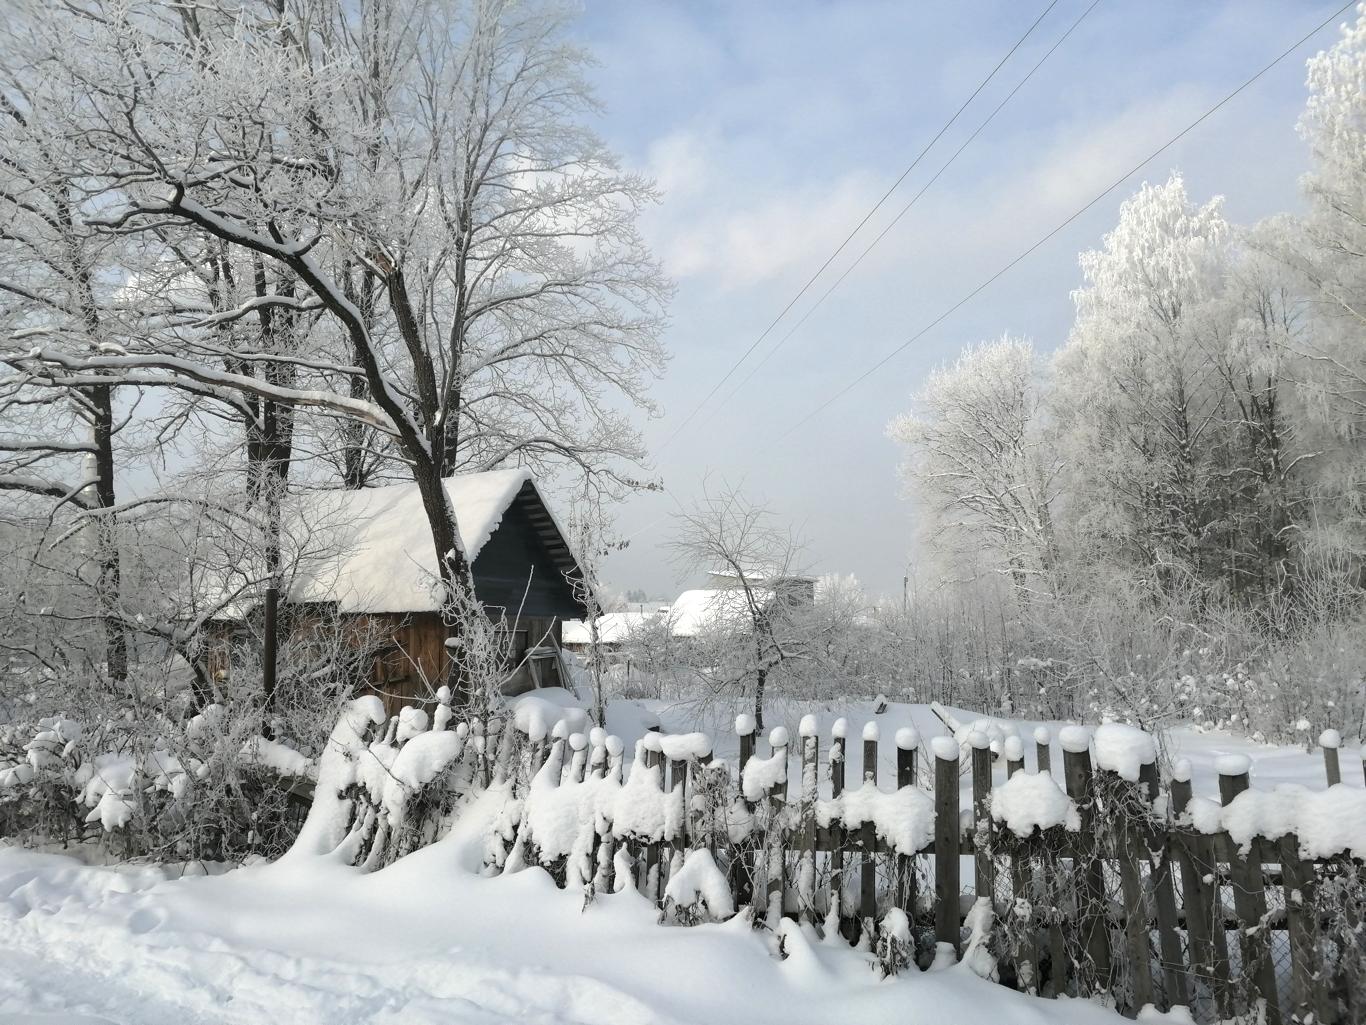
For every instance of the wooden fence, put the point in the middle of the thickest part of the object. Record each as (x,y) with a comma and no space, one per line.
(1123,898)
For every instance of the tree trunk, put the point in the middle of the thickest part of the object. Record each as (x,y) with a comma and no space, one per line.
(107,545)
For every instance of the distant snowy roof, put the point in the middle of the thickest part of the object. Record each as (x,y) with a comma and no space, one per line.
(694,612)
(613,627)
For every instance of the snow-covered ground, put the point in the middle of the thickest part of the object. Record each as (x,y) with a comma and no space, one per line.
(427,940)
(430,940)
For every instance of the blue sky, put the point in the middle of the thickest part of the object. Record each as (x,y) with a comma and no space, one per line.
(772,128)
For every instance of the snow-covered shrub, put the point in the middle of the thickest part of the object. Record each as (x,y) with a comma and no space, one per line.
(698,891)
(206,788)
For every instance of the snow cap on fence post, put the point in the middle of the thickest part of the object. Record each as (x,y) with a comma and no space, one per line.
(907,738)
(1074,739)
(597,736)
(1014,749)
(577,741)
(560,731)
(807,727)
(1232,765)
(840,729)
(652,747)
(1181,770)
(1123,750)
(744,725)
(978,741)
(1042,735)
(871,731)
(777,737)
(945,748)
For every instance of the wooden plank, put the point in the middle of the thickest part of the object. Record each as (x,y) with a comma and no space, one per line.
(1175,981)
(1095,929)
(1249,901)
(838,740)
(1306,996)
(1049,882)
(947,921)
(1204,908)
(868,877)
(1022,896)
(675,842)
(1135,909)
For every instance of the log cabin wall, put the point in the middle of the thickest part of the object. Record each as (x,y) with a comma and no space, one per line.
(410,666)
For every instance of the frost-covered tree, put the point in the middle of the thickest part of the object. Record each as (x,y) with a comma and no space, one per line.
(1136,396)
(981,461)
(58,436)
(745,636)
(405,201)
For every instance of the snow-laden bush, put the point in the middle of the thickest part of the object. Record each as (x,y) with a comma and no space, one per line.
(207,788)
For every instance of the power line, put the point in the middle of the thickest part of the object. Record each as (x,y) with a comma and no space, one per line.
(906,209)
(1117,183)
(856,229)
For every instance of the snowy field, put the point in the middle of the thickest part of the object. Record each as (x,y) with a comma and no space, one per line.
(429,940)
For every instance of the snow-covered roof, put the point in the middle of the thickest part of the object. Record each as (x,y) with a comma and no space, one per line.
(387,562)
(694,612)
(371,550)
(613,627)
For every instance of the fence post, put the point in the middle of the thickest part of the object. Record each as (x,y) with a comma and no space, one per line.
(806,869)
(946,842)
(1160,878)
(1043,750)
(605,881)
(742,858)
(868,838)
(649,870)
(1095,927)
(984,865)
(1200,893)
(838,738)
(907,741)
(597,759)
(1330,741)
(773,841)
(578,765)
(1249,894)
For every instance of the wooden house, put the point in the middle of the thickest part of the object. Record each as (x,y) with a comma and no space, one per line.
(362,565)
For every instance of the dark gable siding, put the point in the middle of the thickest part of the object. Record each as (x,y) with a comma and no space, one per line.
(518,549)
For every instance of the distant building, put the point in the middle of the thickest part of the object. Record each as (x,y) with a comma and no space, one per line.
(366,558)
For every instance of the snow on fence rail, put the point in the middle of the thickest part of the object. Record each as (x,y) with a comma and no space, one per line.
(1109,885)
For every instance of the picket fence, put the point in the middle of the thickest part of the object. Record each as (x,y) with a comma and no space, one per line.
(1126,902)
